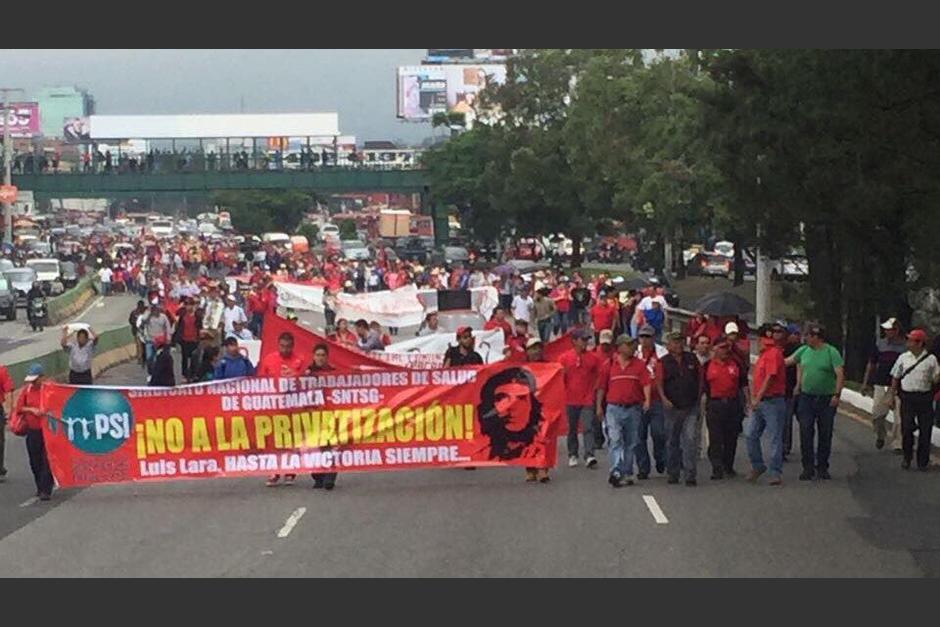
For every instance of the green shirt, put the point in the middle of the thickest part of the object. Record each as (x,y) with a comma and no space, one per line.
(819,369)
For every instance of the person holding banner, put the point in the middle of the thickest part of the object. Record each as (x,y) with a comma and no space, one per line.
(625,385)
(283,363)
(582,369)
(463,354)
(233,364)
(30,408)
(498,321)
(321,356)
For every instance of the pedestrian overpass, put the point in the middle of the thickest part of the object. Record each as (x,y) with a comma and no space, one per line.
(323,180)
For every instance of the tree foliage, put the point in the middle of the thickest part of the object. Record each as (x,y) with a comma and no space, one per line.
(834,151)
(259,211)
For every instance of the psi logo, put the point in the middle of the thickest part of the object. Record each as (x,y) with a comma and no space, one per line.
(97,421)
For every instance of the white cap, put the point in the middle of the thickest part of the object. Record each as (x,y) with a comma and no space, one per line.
(533,341)
(890,323)
(732,327)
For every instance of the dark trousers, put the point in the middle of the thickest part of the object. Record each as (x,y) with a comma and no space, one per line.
(324,478)
(38,462)
(330,317)
(79,378)
(652,423)
(723,417)
(186,357)
(3,439)
(815,412)
(584,415)
(788,425)
(916,409)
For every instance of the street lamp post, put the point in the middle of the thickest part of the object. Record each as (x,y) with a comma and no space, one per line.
(7,164)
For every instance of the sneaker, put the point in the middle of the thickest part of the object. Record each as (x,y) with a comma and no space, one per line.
(627,481)
(590,462)
(754,475)
(642,476)
(289,479)
(824,475)
(880,443)
(806,475)
(572,461)
(775,481)
(329,486)
(272,480)
(672,480)
(317,484)
(614,480)
(45,496)
(691,483)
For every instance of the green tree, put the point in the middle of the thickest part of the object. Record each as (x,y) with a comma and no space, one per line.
(258,211)
(347,229)
(308,230)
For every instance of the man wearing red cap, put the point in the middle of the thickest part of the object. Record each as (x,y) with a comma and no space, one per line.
(463,354)
(768,400)
(914,376)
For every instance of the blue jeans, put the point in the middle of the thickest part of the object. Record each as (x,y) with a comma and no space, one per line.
(545,329)
(622,424)
(652,423)
(149,352)
(769,414)
(561,322)
(814,411)
(683,433)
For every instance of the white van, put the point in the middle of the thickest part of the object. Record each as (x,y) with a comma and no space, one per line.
(329,231)
(281,239)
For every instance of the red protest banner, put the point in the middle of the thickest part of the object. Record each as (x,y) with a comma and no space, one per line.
(498,415)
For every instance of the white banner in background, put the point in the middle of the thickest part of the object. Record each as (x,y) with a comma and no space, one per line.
(403,307)
(489,344)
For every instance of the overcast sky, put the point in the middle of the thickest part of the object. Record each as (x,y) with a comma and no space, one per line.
(357,84)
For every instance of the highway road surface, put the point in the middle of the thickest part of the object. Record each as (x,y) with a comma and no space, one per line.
(872,519)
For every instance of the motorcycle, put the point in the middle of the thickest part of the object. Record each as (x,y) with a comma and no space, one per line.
(37,313)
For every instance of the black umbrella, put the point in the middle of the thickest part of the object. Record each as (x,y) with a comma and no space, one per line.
(723,304)
(634,283)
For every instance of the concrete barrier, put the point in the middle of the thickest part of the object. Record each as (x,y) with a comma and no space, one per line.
(73,301)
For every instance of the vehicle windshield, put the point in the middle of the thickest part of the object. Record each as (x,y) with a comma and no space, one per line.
(19,275)
(162,225)
(44,266)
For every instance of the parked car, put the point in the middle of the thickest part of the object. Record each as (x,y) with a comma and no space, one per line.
(21,281)
(713,264)
(452,254)
(413,249)
(355,250)
(328,231)
(7,300)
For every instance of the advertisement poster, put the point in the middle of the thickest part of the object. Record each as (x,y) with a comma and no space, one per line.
(424,90)
(23,119)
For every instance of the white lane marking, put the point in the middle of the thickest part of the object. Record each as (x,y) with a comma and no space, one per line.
(96,303)
(655,510)
(291,522)
(28,502)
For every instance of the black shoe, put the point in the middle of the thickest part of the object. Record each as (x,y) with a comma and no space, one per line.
(317,485)
(731,473)
(329,486)
(614,480)
(672,480)
(824,475)
(906,464)
(45,497)
(923,468)
(642,476)
(691,483)
(627,482)
(660,468)
(898,451)
(806,475)
(717,475)
(880,443)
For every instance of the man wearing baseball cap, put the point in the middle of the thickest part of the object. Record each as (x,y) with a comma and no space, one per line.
(652,423)
(534,350)
(463,354)
(914,377)
(877,381)
(30,406)
(624,384)
(581,370)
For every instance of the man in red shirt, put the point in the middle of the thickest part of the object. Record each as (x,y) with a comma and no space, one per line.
(723,410)
(605,346)
(603,316)
(515,345)
(30,404)
(257,307)
(624,383)
(581,369)
(498,321)
(6,398)
(562,297)
(284,363)
(768,399)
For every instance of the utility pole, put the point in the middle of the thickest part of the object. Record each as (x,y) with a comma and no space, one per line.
(762,307)
(7,164)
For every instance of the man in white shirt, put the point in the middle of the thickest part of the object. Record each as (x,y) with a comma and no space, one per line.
(240,331)
(231,314)
(523,305)
(105,274)
(913,378)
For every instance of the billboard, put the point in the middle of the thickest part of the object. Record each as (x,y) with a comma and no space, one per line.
(76,130)
(424,90)
(444,55)
(23,119)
